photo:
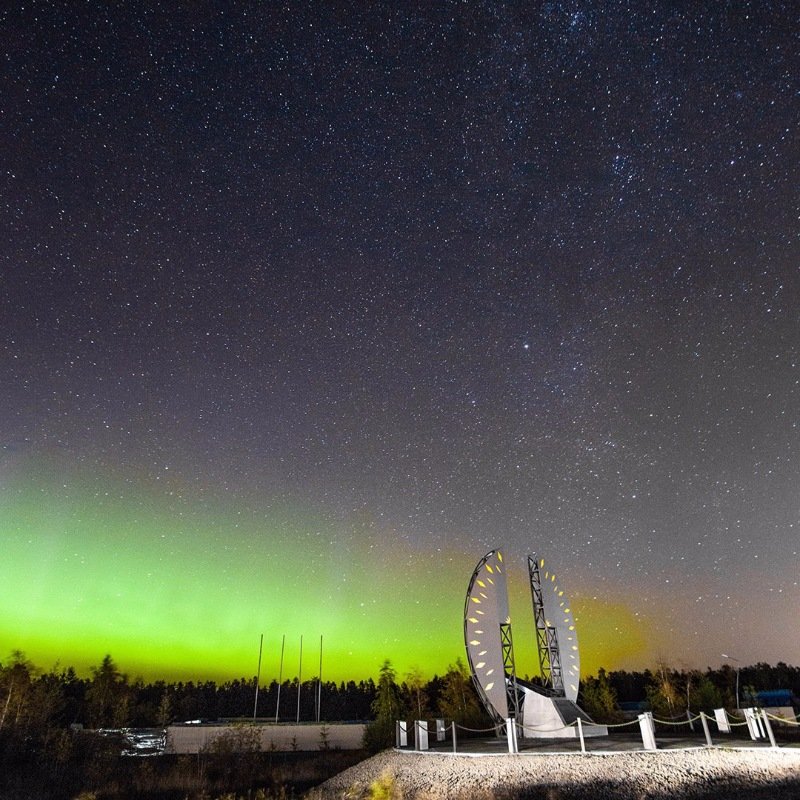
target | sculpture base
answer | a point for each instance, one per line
(546, 717)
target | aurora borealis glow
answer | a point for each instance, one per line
(144, 576)
(305, 309)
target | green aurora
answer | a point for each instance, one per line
(179, 584)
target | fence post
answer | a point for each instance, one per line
(689, 717)
(648, 731)
(421, 734)
(580, 733)
(511, 735)
(757, 716)
(752, 725)
(721, 717)
(401, 733)
(439, 730)
(768, 726)
(706, 731)
(453, 725)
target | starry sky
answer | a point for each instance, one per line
(305, 307)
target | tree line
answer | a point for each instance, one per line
(39, 710)
(32, 699)
(671, 692)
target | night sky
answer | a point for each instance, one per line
(307, 307)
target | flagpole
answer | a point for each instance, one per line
(258, 675)
(280, 680)
(319, 682)
(300, 678)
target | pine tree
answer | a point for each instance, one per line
(16, 689)
(458, 701)
(599, 699)
(108, 696)
(387, 709)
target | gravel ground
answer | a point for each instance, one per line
(759, 774)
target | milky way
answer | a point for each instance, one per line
(306, 308)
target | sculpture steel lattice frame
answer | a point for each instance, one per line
(546, 635)
(489, 643)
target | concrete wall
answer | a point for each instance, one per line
(787, 712)
(194, 738)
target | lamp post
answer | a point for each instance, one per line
(731, 658)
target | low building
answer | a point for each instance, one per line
(190, 737)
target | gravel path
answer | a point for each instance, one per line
(761, 774)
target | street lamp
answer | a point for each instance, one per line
(731, 658)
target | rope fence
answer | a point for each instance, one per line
(475, 730)
(545, 730)
(686, 721)
(621, 724)
(757, 720)
(785, 721)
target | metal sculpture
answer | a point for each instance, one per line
(487, 636)
(490, 651)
